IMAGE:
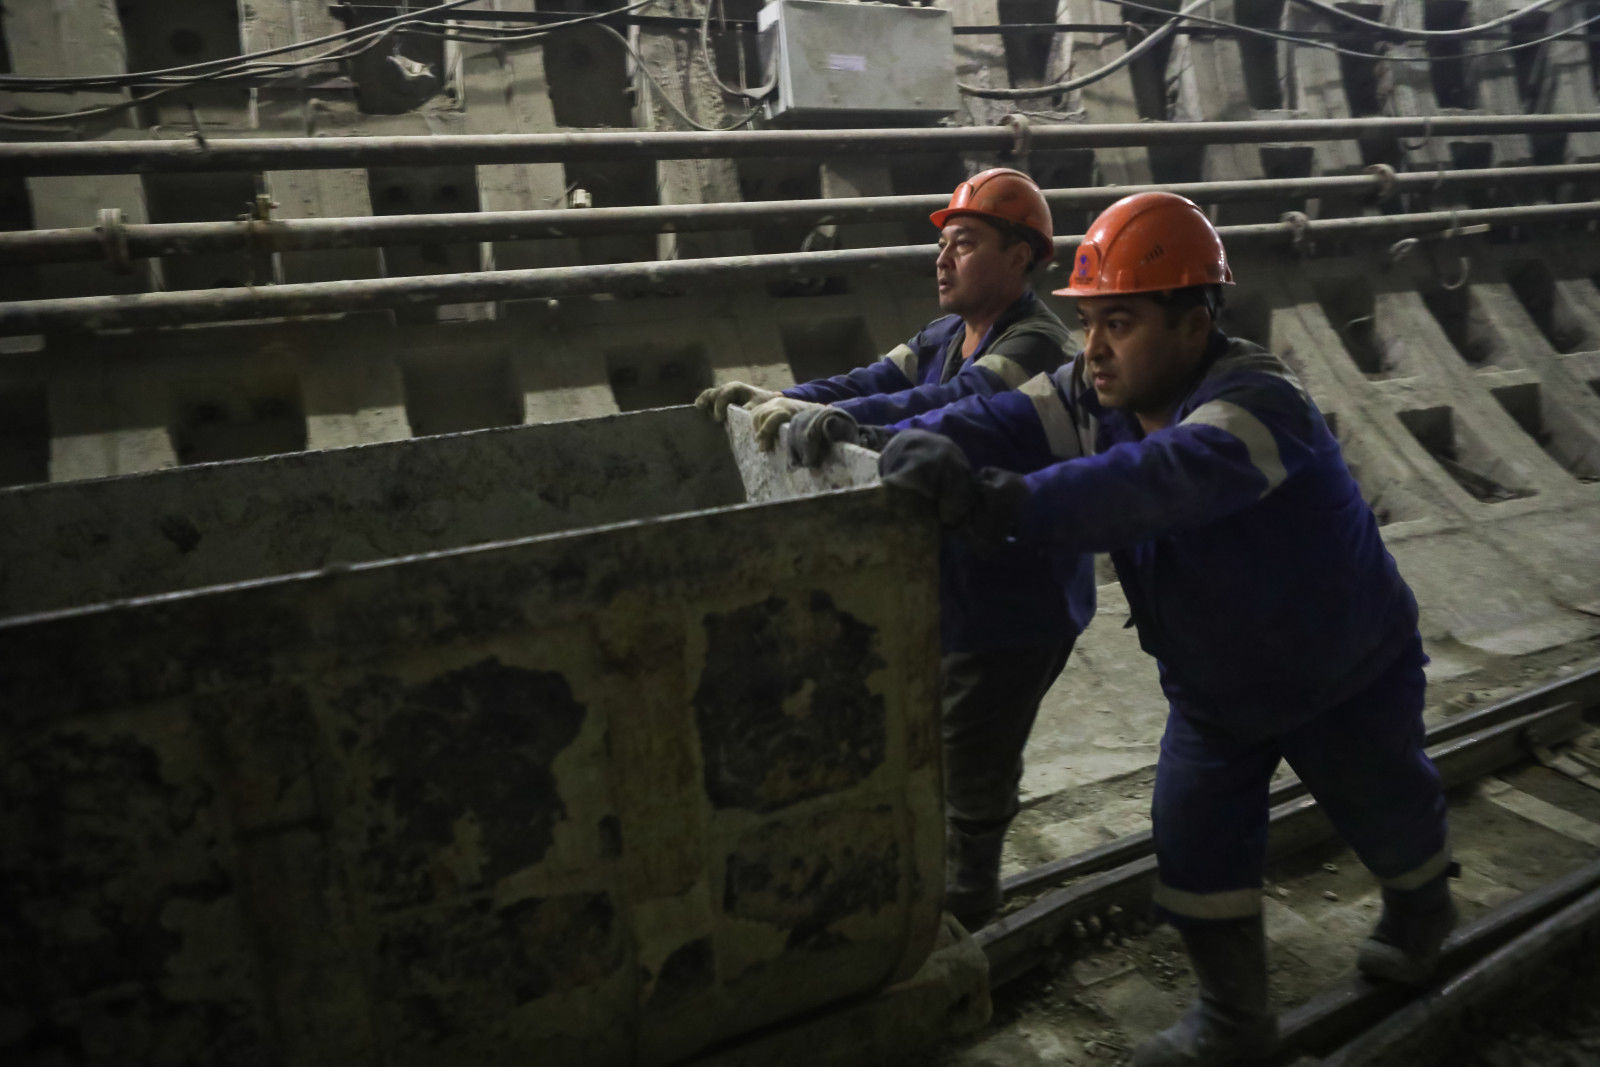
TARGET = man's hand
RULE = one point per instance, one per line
(771, 414)
(812, 434)
(715, 401)
(983, 505)
(933, 467)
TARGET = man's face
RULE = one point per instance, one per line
(1136, 360)
(975, 272)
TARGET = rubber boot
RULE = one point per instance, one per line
(972, 873)
(1229, 1022)
(1405, 945)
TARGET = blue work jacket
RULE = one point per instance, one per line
(1253, 568)
(1013, 597)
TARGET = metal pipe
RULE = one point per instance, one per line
(286, 235)
(316, 298)
(41, 158)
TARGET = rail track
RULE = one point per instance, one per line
(1524, 781)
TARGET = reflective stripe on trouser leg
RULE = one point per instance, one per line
(1209, 821)
(1365, 764)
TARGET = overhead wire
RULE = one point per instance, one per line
(1161, 33)
(666, 97)
(1308, 42)
(27, 83)
(759, 93)
(248, 62)
(345, 51)
(355, 41)
(352, 43)
(455, 31)
(1186, 14)
(1461, 31)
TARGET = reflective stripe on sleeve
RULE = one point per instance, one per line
(1251, 431)
(1230, 904)
(1005, 368)
(1054, 418)
(903, 357)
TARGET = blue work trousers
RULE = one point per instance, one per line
(991, 700)
(1362, 760)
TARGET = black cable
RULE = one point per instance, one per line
(207, 69)
(1303, 42)
(1464, 31)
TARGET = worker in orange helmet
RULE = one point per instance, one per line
(1257, 578)
(1008, 618)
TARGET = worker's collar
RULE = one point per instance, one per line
(1019, 308)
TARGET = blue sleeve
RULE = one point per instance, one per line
(1013, 360)
(997, 430)
(884, 376)
(1229, 452)
(887, 408)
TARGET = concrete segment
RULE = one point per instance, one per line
(980, 60)
(507, 91)
(1569, 85)
(1413, 88)
(1314, 84)
(49, 40)
(1110, 99)
(683, 78)
(300, 110)
(106, 424)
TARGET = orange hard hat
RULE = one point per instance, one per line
(1005, 195)
(1147, 243)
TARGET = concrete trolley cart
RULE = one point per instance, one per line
(291, 777)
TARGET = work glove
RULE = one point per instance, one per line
(715, 401)
(982, 506)
(812, 434)
(770, 415)
(814, 431)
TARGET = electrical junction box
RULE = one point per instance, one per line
(840, 64)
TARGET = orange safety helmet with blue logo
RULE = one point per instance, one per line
(1148, 243)
(1004, 195)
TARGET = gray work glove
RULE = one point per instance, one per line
(770, 415)
(982, 506)
(814, 431)
(715, 401)
(812, 434)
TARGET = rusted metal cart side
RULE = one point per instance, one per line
(600, 796)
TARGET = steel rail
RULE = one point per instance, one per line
(58, 158)
(1400, 1037)
(1327, 1020)
(1015, 943)
(1584, 688)
(144, 240)
(187, 307)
